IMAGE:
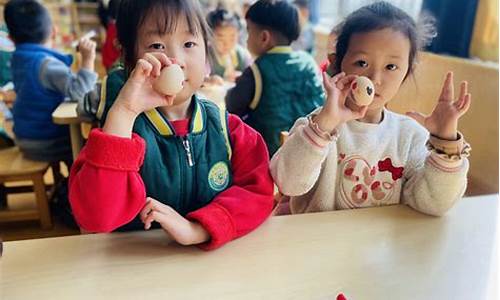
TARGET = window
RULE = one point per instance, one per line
(333, 12)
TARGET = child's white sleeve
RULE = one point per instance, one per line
(435, 182)
(296, 166)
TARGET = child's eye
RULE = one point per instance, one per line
(157, 46)
(391, 67)
(189, 44)
(362, 63)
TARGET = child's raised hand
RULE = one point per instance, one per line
(138, 95)
(179, 228)
(335, 111)
(87, 47)
(443, 121)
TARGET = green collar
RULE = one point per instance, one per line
(165, 128)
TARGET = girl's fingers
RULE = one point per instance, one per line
(326, 80)
(146, 209)
(142, 68)
(447, 90)
(346, 81)
(153, 216)
(463, 90)
(155, 62)
(163, 58)
(465, 107)
(337, 77)
(420, 118)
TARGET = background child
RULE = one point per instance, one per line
(306, 40)
(42, 80)
(343, 156)
(6, 49)
(228, 58)
(110, 48)
(179, 161)
(281, 85)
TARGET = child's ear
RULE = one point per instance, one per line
(265, 36)
(332, 57)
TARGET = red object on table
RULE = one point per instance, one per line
(341, 297)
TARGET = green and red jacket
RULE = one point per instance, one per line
(212, 169)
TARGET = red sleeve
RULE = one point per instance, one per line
(105, 188)
(249, 201)
(109, 51)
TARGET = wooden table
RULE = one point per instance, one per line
(376, 253)
(65, 114)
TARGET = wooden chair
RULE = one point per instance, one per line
(14, 168)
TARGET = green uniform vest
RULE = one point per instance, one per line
(185, 173)
(237, 58)
(287, 86)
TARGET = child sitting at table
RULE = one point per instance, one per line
(172, 161)
(228, 59)
(345, 156)
(42, 80)
(281, 85)
(110, 48)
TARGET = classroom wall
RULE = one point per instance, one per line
(479, 125)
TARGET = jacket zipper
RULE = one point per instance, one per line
(187, 148)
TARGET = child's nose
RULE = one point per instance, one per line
(180, 62)
(375, 76)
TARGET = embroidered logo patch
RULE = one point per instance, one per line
(218, 177)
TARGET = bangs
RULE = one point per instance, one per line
(168, 13)
(163, 16)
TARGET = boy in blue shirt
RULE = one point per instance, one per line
(43, 79)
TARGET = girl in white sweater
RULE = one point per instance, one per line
(343, 156)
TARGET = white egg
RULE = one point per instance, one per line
(363, 91)
(170, 81)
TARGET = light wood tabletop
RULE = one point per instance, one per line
(65, 114)
(390, 252)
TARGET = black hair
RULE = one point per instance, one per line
(381, 15)
(277, 15)
(301, 3)
(133, 13)
(113, 7)
(28, 21)
(222, 17)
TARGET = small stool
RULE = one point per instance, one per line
(13, 168)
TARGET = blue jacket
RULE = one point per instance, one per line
(34, 104)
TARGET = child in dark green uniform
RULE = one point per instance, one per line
(282, 85)
(177, 162)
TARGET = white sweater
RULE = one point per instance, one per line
(367, 165)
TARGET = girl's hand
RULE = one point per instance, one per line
(335, 111)
(138, 95)
(443, 121)
(179, 228)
